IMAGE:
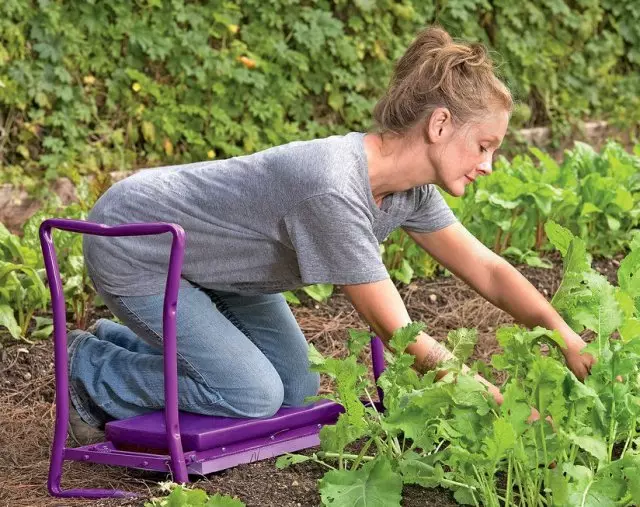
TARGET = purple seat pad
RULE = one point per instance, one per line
(202, 432)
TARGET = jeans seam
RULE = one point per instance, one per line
(141, 322)
(77, 401)
(228, 314)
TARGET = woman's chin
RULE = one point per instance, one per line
(455, 190)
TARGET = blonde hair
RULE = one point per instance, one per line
(437, 72)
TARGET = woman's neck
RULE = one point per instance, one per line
(396, 164)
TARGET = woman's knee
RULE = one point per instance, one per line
(259, 395)
(266, 397)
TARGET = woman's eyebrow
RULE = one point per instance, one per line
(493, 140)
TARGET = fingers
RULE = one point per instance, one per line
(535, 416)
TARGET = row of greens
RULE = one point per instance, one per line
(584, 450)
(100, 86)
(595, 195)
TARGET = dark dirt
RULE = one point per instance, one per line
(27, 410)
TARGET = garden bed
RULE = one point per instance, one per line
(27, 412)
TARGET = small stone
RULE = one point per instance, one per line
(433, 298)
(294, 483)
(22, 350)
(317, 307)
(27, 376)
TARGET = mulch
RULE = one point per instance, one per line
(27, 409)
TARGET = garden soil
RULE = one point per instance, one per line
(27, 409)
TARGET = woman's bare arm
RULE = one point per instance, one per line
(503, 285)
(381, 306)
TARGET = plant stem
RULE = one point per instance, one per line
(25, 325)
(632, 434)
(496, 246)
(320, 462)
(449, 482)
(522, 490)
(486, 488)
(573, 453)
(584, 495)
(613, 429)
(532, 487)
(364, 450)
(612, 422)
(546, 459)
(327, 454)
(508, 492)
(437, 448)
(395, 445)
(535, 442)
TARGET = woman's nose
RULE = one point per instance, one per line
(485, 168)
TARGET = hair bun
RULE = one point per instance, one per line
(437, 71)
(437, 37)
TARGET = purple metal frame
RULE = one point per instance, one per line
(296, 428)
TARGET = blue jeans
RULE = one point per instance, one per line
(238, 356)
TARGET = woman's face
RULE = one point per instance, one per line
(463, 154)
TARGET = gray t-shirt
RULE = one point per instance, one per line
(292, 215)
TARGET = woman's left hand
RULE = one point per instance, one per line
(578, 362)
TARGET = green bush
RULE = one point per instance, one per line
(91, 86)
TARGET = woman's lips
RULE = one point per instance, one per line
(469, 178)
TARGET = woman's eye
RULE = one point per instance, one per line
(483, 149)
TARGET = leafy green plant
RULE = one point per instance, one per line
(319, 292)
(583, 450)
(405, 260)
(78, 291)
(183, 496)
(22, 290)
(108, 86)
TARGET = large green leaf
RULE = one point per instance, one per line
(8, 320)
(375, 484)
(461, 342)
(405, 336)
(320, 292)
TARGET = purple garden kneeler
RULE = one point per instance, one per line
(180, 443)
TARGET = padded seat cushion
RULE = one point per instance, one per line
(202, 432)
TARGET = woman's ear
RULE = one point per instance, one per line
(439, 125)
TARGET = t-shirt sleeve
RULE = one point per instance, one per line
(334, 241)
(431, 213)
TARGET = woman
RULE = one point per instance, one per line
(303, 213)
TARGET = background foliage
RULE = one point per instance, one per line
(89, 86)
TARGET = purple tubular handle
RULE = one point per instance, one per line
(178, 465)
(377, 358)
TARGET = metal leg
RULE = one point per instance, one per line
(178, 465)
(377, 358)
